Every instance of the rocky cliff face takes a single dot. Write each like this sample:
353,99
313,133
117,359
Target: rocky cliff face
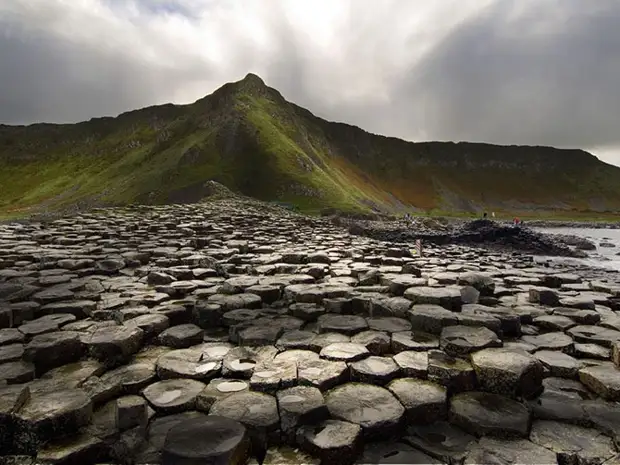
248,137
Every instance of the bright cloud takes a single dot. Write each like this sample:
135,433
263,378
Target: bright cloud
527,72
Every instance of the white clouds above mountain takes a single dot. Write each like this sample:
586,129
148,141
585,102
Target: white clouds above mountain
513,72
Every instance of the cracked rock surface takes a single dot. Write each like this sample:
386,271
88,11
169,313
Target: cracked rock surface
235,332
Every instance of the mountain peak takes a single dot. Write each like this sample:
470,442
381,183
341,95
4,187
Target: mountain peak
253,79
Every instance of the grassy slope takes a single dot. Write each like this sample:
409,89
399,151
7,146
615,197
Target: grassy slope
248,137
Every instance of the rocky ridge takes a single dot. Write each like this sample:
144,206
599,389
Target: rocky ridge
230,332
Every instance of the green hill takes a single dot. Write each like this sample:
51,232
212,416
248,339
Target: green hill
248,137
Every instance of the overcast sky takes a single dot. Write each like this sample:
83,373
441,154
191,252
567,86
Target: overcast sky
512,72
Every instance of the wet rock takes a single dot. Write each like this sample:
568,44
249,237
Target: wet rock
288,456
83,448
374,370
572,443
603,379
431,318
300,405
181,336
440,440
219,388
194,363
130,411
558,363
424,401
594,334
332,441
389,324
502,451
11,353
446,297
271,375
51,350
374,408
52,415
394,453
235,301
173,395
345,324
462,340
12,398
152,324
511,373
344,351
412,363
483,414
322,374
376,342
591,351
554,322
481,282
256,410
551,341
130,379
259,335
114,345
454,373
11,336
211,439
414,340
16,372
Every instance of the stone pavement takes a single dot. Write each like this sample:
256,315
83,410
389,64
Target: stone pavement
232,332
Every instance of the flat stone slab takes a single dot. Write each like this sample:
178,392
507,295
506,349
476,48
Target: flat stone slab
558,363
300,405
345,324
256,410
551,341
114,345
51,350
374,408
572,443
394,453
377,342
603,379
454,373
181,336
485,414
423,400
447,297
211,439
344,352
323,374
414,340
494,450
173,395
431,318
52,415
461,340
511,373
332,441
374,370
219,388
412,363
594,334
440,440
389,324
17,372
193,363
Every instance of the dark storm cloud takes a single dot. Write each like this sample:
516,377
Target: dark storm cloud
543,72
522,72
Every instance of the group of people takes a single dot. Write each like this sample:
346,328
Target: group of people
515,221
